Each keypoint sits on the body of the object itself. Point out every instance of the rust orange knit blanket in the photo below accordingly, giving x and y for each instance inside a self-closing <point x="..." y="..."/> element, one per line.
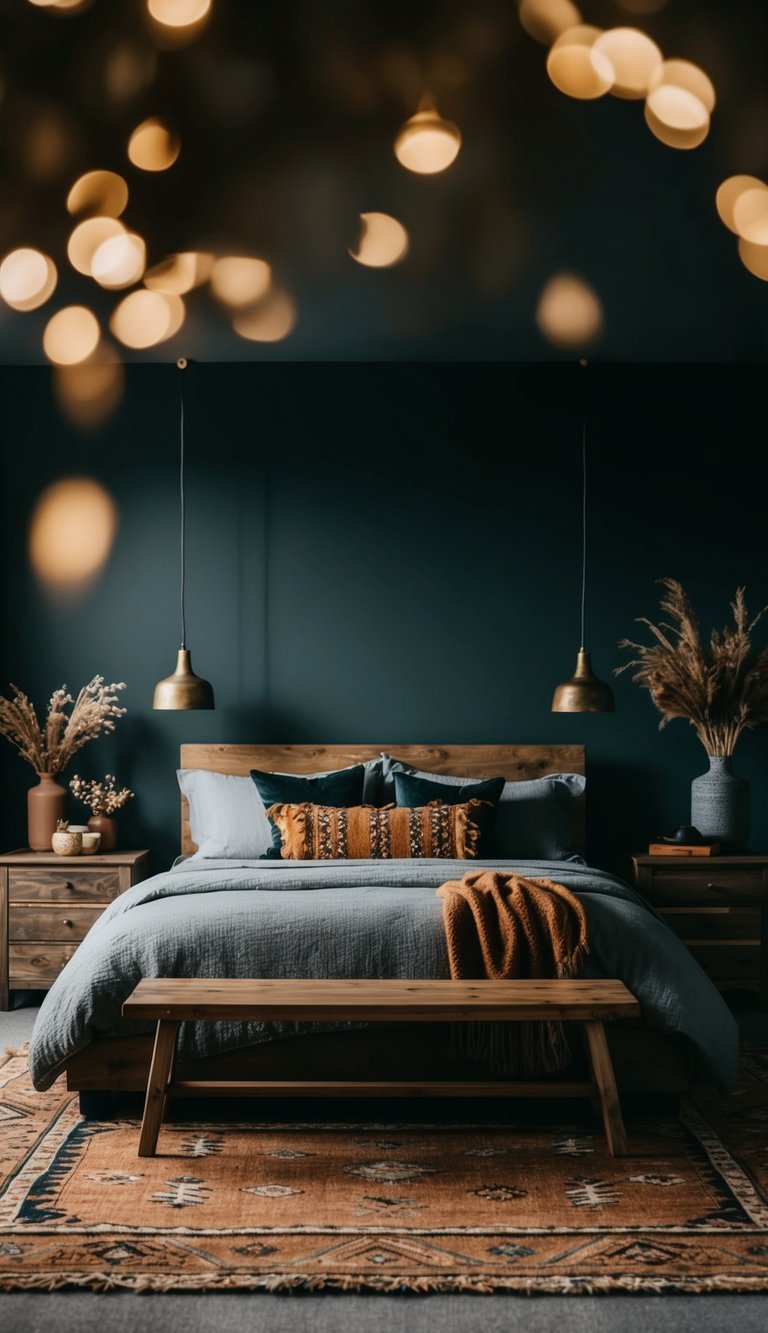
<point x="499" y="925"/>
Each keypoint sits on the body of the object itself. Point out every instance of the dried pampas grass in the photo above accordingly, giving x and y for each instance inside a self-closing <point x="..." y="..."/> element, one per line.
<point x="49" y="748"/>
<point x="720" y="687"/>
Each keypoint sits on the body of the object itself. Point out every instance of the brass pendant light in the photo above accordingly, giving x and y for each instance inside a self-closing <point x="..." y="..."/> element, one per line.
<point x="183" y="690"/>
<point x="583" y="693"/>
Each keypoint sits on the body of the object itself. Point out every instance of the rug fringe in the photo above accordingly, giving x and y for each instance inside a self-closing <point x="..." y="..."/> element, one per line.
<point x="17" y="1050"/>
<point x="481" y="1286"/>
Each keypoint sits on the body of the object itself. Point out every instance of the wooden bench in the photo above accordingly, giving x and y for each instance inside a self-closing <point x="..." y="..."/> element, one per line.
<point x="172" y="1001"/>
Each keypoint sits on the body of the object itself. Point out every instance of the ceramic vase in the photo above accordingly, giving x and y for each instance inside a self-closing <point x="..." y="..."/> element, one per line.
<point x="107" y="828"/>
<point x="720" y="803"/>
<point x="47" y="803"/>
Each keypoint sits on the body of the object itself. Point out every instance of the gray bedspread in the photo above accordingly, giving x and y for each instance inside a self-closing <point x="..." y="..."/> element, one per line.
<point x="345" y="919"/>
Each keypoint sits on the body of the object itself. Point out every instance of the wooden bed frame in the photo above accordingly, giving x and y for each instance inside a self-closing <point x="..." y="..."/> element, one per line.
<point x="121" y="1064"/>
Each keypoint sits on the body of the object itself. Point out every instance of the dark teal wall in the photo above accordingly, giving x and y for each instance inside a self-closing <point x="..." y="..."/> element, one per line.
<point x="384" y="553"/>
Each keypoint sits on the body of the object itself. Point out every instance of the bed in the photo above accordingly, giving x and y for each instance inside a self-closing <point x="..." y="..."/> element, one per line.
<point x="237" y="917"/>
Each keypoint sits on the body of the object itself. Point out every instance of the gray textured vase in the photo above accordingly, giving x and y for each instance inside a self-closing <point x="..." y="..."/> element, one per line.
<point x="720" y="803"/>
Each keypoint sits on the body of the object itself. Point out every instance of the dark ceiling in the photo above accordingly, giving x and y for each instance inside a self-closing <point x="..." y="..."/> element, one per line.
<point x="287" y="111"/>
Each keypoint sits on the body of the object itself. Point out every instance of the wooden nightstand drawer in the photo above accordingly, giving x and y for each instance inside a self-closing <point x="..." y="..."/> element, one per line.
<point x="48" y="904"/>
<point x="706" y="886"/>
<point x="51" y="923"/>
<point x="729" y="963"/>
<point x="718" y="906"/>
<point x="69" y="884"/>
<point x="38" y="965"/>
<point x="713" y="923"/>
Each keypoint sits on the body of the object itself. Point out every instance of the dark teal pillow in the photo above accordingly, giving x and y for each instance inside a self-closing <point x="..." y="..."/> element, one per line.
<point x="343" y="787"/>
<point x="414" y="791"/>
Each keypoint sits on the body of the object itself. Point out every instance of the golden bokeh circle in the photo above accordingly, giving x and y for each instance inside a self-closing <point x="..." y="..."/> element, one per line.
<point x="71" y="532"/>
<point x="71" y="335"/>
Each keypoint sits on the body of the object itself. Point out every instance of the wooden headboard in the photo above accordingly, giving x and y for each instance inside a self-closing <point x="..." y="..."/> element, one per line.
<point x="514" y="762"/>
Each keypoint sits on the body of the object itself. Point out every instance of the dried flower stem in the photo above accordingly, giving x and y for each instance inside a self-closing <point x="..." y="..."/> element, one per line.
<point x="100" y="797"/>
<point x="721" y="687"/>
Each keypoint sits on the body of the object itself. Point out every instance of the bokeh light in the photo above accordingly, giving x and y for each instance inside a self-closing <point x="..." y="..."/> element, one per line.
<point x="71" y="532"/>
<point x="49" y="143"/>
<point x="728" y="195"/>
<point x="427" y="144"/>
<point x="684" y="74"/>
<point x="239" y="281"/>
<point x="750" y="215"/>
<point x="153" y="146"/>
<point x="102" y="192"/>
<point x="89" y="393"/>
<point x="119" y="261"/>
<point x="145" y="318"/>
<point x="179" y="13"/>
<point x="678" y="118"/>
<point x="576" y="68"/>
<point x="86" y="239"/>
<point x="569" y="313"/>
<point x="180" y="273"/>
<point x="270" y="321"/>
<point x="754" y="257"/>
<point x="60" y="4"/>
<point x="71" y="335"/>
<point x="383" y="241"/>
<point x="635" y="58"/>
<point x="27" y="279"/>
<point x="128" y="69"/>
<point x="545" y="20"/>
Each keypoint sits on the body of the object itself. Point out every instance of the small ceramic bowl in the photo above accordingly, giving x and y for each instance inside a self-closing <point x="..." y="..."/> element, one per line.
<point x="90" y="842"/>
<point x="67" y="843"/>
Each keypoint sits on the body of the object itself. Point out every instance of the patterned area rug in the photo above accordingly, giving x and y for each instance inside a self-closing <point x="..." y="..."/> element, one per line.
<point x="485" y="1207"/>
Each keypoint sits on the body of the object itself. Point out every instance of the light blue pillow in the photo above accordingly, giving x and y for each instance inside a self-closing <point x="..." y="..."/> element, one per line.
<point x="227" y="816"/>
<point x="534" y="819"/>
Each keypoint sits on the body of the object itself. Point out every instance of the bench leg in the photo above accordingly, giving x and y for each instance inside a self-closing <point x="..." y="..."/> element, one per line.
<point x="160" y="1072"/>
<point x="605" y="1082"/>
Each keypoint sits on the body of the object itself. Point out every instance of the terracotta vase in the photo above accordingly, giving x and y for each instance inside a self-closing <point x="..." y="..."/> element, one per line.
<point x="47" y="803"/>
<point x="107" y="828"/>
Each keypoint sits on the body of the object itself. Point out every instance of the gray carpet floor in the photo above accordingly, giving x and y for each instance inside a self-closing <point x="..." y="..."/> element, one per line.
<point x="257" y="1312"/>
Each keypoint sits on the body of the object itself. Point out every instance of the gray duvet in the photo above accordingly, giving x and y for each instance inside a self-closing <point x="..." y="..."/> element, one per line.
<point x="345" y="919"/>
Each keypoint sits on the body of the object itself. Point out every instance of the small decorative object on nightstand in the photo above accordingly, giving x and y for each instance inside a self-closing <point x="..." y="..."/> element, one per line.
<point x="719" y="908"/>
<point x="102" y="799"/>
<point x="48" y="903"/>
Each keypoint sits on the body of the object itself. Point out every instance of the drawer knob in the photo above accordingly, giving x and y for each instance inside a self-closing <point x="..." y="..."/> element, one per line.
<point x="65" y="921"/>
<point x="69" y="885"/>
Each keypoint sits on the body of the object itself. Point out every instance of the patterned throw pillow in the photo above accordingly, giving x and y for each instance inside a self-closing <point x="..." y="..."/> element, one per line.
<point x="368" y="832"/>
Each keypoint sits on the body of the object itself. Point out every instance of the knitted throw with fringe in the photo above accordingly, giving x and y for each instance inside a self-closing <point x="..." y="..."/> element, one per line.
<point x="499" y="926"/>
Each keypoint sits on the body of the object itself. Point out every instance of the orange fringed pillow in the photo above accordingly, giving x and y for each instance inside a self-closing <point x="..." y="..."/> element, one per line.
<point x="364" y="832"/>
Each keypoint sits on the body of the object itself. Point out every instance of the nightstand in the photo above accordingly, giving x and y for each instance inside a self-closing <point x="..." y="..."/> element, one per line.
<point x="718" y="905"/>
<point x="48" y="904"/>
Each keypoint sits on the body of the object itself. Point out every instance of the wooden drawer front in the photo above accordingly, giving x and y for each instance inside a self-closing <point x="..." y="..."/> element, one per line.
<point x="714" y="923"/>
<point x="37" y="964"/>
<point x="729" y="963"/>
<point x="707" y="887"/>
<point x="71" y="885"/>
<point x="51" y="923"/>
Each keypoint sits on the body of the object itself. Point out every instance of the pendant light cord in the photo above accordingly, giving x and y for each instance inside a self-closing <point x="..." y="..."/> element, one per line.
<point x="583" y="528"/>
<point x="182" y="367"/>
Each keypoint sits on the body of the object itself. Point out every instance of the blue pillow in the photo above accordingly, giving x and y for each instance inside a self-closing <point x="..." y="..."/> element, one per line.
<point x="534" y="818"/>
<point x="340" y="788"/>
<point x="413" y="790"/>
